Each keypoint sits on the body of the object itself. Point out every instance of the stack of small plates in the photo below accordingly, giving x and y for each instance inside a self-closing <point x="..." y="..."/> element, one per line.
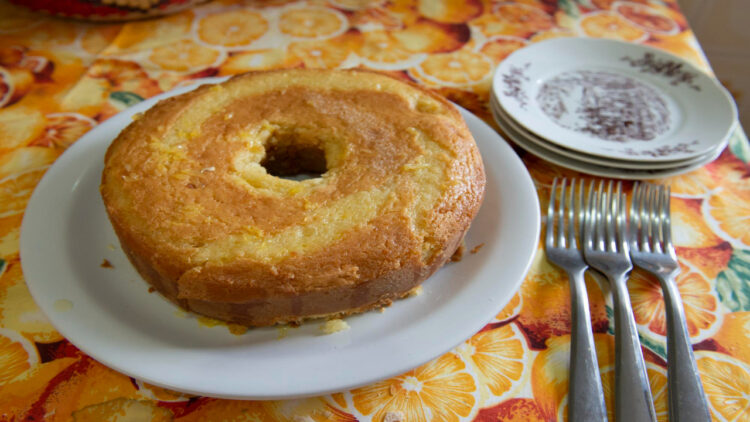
<point x="611" y="109"/>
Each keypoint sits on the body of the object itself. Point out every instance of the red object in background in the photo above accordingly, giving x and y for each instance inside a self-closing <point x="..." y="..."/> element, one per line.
<point x="99" y="11"/>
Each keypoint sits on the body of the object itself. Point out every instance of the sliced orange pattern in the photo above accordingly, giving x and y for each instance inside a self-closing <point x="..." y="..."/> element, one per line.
<point x="498" y="356"/>
<point x="63" y="129"/>
<point x="16" y="356"/>
<point x="442" y="389"/>
<point x="726" y="382"/>
<point x="515" y="19"/>
<point x="609" y="25"/>
<point x="311" y="22"/>
<point x="463" y="67"/>
<point x="183" y="56"/>
<point x="697" y="297"/>
<point x="232" y="28"/>
<point x="731" y="209"/>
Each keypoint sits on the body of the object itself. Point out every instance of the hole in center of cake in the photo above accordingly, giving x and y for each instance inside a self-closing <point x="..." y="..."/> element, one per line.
<point x="292" y="157"/>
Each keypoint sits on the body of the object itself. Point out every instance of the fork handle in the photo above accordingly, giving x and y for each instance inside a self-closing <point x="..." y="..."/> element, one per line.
<point x="586" y="396"/>
<point x="687" y="402"/>
<point x="633" y="400"/>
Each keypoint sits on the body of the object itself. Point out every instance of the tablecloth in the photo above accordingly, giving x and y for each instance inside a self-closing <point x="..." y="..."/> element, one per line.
<point x="60" y="78"/>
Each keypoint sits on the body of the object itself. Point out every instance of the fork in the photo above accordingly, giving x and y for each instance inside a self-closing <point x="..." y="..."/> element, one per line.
<point x="605" y="248"/>
<point x="651" y="249"/>
<point x="586" y="397"/>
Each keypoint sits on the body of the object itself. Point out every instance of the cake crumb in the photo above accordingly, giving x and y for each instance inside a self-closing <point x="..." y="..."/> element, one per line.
<point x="415" y="291"/>
<point x="393" y="417"/>
<point x="282" y="331"/>
<point x="237" y="329"/>
<point x="392" y="389"/>
<point x="382" y="309"/>
<point x="476" y="249"/>
<point x="334" y="326"/>
<point x="151" y="289"/>
<point x="111" y="247"/>
<point x="456" y="257"/>
<point x="106" y="264"/>
<point x="136" y="116"/>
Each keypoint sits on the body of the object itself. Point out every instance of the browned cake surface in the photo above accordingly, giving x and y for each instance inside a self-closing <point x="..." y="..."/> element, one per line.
<point x="188" y="190"/>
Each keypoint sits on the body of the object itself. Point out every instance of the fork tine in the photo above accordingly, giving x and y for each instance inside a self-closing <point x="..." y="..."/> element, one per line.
<point x="560" y="215"/>
<point x="655" y="216"/>
<point x="571" y="241"/>
<point x="589" y="220"/>
<point x="622" y="220"/>
<point x="646" y="218"/>
<point x="550" y="239"/>
<point x="601" y="215"/>
<point x="635" y="221"/>
<point x="609" y="217"/>
<point x="667" y="220"/>
<point x="581" y="212"/>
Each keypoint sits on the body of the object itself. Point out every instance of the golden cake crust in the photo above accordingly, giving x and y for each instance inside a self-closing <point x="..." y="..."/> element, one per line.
<point x="204" y="223"/>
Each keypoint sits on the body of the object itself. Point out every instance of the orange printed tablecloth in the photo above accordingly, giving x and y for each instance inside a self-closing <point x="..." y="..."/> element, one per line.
<point x="60" y="78"/>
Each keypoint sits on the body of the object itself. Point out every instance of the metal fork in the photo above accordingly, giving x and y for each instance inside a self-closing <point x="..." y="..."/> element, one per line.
<point x="606" y="250"/>
<point x="586" y="397"/>
<point x="652" y="250"/>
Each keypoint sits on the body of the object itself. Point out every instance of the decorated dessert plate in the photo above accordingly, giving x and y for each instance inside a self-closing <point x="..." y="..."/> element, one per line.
<point x="600" y="161"/>
<point x="614" y="99"/>
<point x="82" y="280"/>
<point x="595" y="169"/>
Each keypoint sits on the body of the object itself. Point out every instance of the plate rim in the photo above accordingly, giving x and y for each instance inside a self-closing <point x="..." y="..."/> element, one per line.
<point x="577" y="42"/>
<point x="596" y="160"/>
<point x="30" y="226"/>
<point x="600" y="171"/>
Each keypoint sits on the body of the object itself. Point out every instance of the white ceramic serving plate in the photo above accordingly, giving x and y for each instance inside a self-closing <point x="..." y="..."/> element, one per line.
<point x="599" y="161"/>
<point x="614" y="99"/>
<point x="595" y="169"/>
<point x="115" y="320"/>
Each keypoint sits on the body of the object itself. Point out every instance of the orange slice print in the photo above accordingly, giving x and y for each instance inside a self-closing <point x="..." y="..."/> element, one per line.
<point x="184" y="56"/>
<point x="17" y="355"/>
<point x="426" y="36"/>
<point x="312" y="22"/>
<point x="443" y="389"/>
<point x="500" y="47"/>
<point x="734" y="335"/>
<point x="511" y="309"/>
<point x="498" y="356"/>
<point x="246" y="61"/>
<point x="691" y="230"/>
<point x="357" y="4"/>
<point x="63" y="129"/>
<point x="19" y="312"/>
<point x="647" y="18"/>
<point x="657" y="379"/>
<point x="233" y="28"/>
<point x="696" y="293"/>
<point x="610" y="25"/>
<point x="460" y="68"/>
<point x="19" y="126"/>
<point x="147" y="34"/>
<point x="382" y="50"/>
<point x="328" y="54"/>
<point x="19" y="395"/>
<point x="726" y="382"/>
<point x="96" y="38"/>
<point x="695" y="183"/>
<point x="450" y="11"/>
<point x="730" y="208"/>
<point x="20" y="171"/>
<point x="520" y="20"/>
<point x="123" y="410"/>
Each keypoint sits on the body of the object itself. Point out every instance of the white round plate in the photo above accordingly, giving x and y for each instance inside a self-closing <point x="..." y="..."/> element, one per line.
<point x="599" y="161"/>
<point x="614" y="99"/>
<point x="66" y="235"/>
<point x="594" y="169"/>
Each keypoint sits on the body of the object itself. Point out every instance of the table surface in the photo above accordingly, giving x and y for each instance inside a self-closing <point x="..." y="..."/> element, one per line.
<point x="60" y="78"/>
